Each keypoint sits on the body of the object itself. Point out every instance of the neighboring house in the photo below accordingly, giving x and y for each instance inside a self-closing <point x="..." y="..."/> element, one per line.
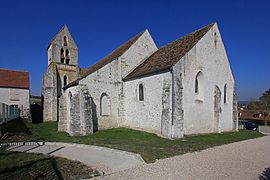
<point x="14" y="90"/>
<point x="185" y="87"/>
<point x="260" y="117"/>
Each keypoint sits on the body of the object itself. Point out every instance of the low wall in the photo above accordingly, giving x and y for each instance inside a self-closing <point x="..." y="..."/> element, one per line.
<point x="264" y="129"/>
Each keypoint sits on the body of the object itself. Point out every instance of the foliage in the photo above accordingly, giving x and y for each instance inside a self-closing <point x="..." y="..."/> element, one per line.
<point x="263" y="103"/>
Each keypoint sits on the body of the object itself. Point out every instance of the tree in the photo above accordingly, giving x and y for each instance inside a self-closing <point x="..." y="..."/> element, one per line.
<point x="265" y="101"/>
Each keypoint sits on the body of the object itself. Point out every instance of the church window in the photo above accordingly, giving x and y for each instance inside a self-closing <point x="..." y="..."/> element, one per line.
<point x="104" y="105"/>
<point x="196" y="85"/>
<point x="67" y="56"/>
<point x="65" y="40"/>
<point x="199" y="85"/>
<point x="65" y="80"/>
<point x="62" y="55"/>
<point x="225" y="93"/>
<point x="141" y="96"/>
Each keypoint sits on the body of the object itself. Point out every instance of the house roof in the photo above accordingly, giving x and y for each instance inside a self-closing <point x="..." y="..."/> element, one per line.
<point x="246" y="114"/>
<point x="168" y="55"/>
<point x="14" y="79"/>
<point x="111" y="57"/>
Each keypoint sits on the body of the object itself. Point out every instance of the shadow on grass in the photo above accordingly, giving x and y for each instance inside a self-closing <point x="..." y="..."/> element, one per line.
<point x="34" y="169"/>
<point x="265" y="174"/>
<point x="16" y="126"/>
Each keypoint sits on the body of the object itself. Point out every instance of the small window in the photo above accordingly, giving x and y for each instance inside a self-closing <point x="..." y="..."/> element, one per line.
<point x="62" y="55"/>
<point x="225" y="93"/>
<point x="67" y="56"/>
<point x="141" y="96"/>
<point x="65" y="80"/>
<point x="65" y="41"/>
<point x="104" y="105"/>
<point x="196" y="85"/>
<point x="199" y="86"/>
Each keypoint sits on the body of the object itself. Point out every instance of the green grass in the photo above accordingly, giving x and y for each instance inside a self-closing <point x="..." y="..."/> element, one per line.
<point x="15" y="165"/>
<point x="150" y="146"/>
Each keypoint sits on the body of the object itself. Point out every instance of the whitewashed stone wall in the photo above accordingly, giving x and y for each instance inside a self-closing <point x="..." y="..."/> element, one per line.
<point x="75" y="111"/>
<point x="148" y="114"/>
<point x="49" y="94"/>
<point x="137" y="53"/>
<point x="209" y="57"/>
<point x="108" y="80"/>
<point x="15" y="96"/>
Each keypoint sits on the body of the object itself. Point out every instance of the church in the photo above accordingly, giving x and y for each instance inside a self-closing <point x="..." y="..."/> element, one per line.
<point x="185" y="87"/>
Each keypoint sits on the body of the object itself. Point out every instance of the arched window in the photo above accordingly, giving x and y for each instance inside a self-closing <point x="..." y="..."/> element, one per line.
<point x="62" y="57"/>
<point x="225" y="93"/>
<point x="141" y="96"/>
<point x="104" y="105"/>
<point x="196" y="85"/>
<point x="199" y="85"/>
<point x="65" y="41"/>
<point x="67" y="56"/>
<point x="65" y="81"/>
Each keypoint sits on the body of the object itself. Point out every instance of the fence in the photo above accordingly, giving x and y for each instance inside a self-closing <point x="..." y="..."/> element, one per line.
<point x="8" y="113"/>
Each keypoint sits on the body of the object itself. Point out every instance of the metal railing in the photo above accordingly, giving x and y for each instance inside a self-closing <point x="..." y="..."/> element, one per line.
<point x="8" y="113"/>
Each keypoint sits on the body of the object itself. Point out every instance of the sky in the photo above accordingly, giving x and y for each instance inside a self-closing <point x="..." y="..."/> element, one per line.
<point x="99" y="27"/>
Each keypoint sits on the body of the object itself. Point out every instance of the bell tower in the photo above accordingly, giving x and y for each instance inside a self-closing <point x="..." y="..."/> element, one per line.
<point x="62" y="69"/>
<point x="63" y="49"/>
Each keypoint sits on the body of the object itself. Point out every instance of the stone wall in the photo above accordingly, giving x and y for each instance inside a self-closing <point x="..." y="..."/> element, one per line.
<point x="177" y="101"/>
<point x="209" y="57"/>
<point x="49" y="94"/>
<point x="57" y="43"/>
<point x="153" y="114"/>
<point x="75" y="108"/>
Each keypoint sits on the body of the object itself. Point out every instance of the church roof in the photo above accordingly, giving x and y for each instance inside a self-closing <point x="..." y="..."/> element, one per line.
<point x="111" y="57"/>
<point x="14" y="79"/>
<point x="168" y="55"/>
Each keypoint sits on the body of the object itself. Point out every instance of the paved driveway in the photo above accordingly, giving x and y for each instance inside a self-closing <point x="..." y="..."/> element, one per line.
<point x="242" y="160"/>
<point x="103" y="159"/>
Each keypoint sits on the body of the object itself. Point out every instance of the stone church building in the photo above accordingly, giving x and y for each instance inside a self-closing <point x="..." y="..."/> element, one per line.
<point x="185" y="87"/>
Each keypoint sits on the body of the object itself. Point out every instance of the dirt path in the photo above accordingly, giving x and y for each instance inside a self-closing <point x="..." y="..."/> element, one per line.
<point x="242" y="160"/>
<point x="103" y="159"/>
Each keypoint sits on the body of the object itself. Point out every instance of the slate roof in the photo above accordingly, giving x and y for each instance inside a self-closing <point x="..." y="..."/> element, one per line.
<point x="14" y="79"/>
<point x="168" y="55"/>
<point x="111" y="57"/>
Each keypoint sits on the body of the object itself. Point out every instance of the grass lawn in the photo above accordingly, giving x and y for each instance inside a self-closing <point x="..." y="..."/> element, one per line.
<point x="15" y="165"/>
<point x="150" y="146"/>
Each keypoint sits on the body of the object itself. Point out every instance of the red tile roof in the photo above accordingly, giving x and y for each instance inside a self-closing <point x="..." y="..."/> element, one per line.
<point x="246" y="114"/>
<point x="14" y="79"/>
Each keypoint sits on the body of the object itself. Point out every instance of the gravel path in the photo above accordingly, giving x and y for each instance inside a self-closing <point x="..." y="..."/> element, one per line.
<point x="241" y="160"/>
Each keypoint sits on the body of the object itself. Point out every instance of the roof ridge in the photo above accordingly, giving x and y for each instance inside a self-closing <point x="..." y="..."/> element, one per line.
<point x="119" y="51"/>
<point x="170" y="53"/>
<point x="14" y="70"/>
<point x="132" y="40"/>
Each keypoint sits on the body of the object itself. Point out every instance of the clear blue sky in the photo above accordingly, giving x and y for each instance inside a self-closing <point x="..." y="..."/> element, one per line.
<point x="98" y="27"/>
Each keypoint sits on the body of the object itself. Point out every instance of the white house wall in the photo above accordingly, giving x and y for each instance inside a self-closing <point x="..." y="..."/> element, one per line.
<point x="16" y="96"/>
